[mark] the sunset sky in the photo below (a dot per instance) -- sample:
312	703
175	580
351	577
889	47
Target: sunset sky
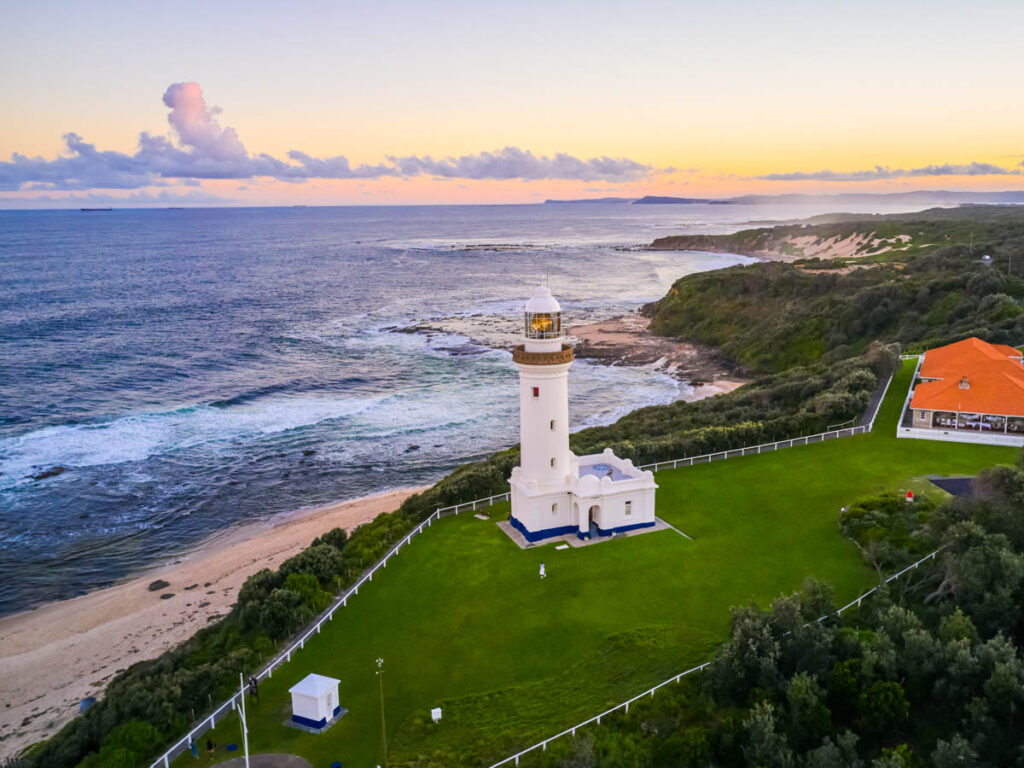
381	102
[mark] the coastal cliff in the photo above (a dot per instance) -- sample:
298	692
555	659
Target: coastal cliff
834	241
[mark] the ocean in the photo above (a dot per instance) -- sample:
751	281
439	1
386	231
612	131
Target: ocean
169	374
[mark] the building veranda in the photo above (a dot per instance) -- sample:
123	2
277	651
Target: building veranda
970	391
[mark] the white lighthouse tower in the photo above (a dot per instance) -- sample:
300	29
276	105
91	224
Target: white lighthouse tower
553	492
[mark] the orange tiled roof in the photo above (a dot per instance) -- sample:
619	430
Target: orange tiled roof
995	382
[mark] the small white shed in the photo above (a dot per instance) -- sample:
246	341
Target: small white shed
315	700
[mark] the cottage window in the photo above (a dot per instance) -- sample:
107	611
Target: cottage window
552	425
536	391
552	462
629	508
554	507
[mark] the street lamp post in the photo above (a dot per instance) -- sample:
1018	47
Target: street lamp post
383	725
241	711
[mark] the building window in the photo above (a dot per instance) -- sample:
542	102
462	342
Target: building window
552	425
554	508
552	462
536	391
629	508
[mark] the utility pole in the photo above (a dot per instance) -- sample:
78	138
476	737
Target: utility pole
383	726
241	711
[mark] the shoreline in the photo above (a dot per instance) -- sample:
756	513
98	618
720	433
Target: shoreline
625	340
58	653
55	655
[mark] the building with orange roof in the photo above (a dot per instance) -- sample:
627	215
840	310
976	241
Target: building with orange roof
969	390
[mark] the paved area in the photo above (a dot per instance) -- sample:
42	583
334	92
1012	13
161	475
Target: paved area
958	486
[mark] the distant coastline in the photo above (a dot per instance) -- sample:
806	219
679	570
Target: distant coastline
917	197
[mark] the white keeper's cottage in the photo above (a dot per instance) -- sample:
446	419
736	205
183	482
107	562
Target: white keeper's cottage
555	492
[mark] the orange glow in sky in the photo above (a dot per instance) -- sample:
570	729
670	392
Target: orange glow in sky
714	100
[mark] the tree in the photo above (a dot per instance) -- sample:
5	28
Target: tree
955	753
765	746
838	753
748	659
882	708
810	719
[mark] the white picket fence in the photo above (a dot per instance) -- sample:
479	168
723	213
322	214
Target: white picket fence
689	461
200	727
624	706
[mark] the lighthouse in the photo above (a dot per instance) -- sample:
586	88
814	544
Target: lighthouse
543	361
553	492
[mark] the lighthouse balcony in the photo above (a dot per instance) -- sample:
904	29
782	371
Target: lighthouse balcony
521	356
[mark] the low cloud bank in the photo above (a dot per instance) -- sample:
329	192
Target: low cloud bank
885	172
200	148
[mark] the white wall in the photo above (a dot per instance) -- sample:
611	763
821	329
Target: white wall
539	442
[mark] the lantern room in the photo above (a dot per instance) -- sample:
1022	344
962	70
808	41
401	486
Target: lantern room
543	316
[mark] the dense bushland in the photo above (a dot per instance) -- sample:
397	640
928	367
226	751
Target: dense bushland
929	671
800	401
772	316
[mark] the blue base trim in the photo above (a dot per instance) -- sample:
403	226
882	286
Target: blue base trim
547	533
337	709
309	723
623	528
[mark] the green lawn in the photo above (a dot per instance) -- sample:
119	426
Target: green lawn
463	621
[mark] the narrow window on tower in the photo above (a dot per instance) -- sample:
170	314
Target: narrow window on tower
552	462
552	425
536	391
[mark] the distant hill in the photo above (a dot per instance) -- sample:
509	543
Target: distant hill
923	198
662	200
591	200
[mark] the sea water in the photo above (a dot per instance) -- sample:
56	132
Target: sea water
180	372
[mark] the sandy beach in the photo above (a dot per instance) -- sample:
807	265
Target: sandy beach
56	655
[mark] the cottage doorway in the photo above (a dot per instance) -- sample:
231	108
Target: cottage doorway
592	514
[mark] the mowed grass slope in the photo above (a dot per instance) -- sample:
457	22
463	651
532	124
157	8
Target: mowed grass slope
464	622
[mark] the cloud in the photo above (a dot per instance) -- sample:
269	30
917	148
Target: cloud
514	163
198	147
885	172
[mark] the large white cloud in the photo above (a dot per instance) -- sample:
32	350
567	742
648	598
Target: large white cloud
200	148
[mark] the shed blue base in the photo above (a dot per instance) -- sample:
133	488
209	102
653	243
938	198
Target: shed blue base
315	726
547	533
310	723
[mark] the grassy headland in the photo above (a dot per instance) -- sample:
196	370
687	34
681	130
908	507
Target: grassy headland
464	623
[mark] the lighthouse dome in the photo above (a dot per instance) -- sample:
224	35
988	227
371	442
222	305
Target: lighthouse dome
542	301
